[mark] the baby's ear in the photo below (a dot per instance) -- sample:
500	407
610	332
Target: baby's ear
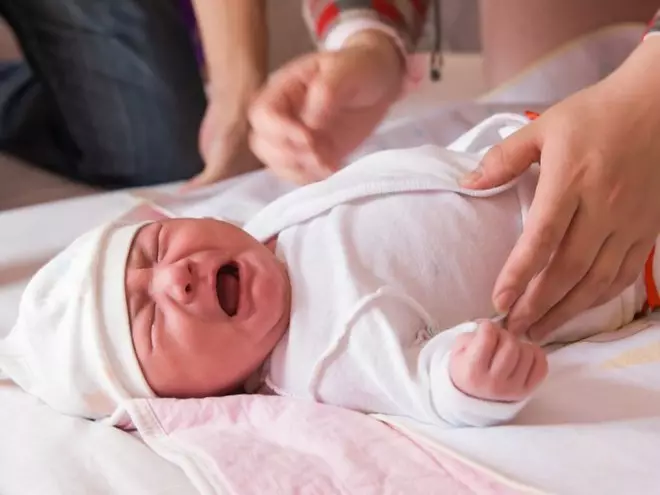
144	212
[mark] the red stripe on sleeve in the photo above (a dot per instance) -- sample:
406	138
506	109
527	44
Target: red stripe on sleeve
388	10
329	14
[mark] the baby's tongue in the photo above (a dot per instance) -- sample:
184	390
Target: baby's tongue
228	293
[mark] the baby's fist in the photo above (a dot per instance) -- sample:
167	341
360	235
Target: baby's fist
492	364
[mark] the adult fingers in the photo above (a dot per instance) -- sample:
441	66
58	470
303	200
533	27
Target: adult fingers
215	164
274	115
506	160
630	269
208	176
278	108
571	261
329	92
301	167
309	164
277	135
280	159
312	153
549	217
597	280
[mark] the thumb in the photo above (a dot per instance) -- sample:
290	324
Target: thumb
329	91
507	160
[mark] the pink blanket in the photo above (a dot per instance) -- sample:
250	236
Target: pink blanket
266	445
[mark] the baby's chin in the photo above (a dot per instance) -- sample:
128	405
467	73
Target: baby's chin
272	319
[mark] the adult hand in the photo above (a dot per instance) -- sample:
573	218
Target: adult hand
223	136
596	211
319	108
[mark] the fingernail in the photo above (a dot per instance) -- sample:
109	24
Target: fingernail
504	300
471	178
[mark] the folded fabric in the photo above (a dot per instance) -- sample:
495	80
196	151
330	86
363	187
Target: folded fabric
262	444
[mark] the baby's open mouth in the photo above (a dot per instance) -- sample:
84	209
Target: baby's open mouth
227	284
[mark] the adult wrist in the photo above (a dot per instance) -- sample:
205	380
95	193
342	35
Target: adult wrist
240	82
641	70
405	68
383	44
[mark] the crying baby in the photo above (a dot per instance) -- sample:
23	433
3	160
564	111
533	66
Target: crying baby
362	291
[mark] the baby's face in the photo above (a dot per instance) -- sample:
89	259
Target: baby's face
207	303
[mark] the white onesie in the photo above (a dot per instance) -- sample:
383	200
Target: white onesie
387	259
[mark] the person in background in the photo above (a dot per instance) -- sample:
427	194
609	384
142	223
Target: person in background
595	214
110	93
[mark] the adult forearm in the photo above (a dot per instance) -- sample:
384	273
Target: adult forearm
406	17
234	34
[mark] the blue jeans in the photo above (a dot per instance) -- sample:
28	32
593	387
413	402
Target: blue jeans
110	94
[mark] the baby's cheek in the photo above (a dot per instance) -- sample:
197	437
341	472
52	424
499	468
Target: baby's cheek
193	359
227	359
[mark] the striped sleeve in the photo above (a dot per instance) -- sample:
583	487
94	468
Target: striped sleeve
406	17
654	26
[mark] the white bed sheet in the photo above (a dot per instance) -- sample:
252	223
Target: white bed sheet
592	428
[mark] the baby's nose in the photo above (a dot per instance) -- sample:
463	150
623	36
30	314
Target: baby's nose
175	280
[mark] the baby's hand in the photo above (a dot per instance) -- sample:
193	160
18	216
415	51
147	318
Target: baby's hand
492	364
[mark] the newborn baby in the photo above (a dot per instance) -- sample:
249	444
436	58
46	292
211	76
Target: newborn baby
360	291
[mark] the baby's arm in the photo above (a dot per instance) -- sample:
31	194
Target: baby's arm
468	375
485	378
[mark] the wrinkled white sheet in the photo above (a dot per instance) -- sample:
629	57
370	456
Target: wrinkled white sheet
594	426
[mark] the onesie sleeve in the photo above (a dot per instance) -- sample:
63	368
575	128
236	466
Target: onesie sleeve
385	365
332	21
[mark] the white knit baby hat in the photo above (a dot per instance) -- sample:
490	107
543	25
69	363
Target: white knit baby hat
71	345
